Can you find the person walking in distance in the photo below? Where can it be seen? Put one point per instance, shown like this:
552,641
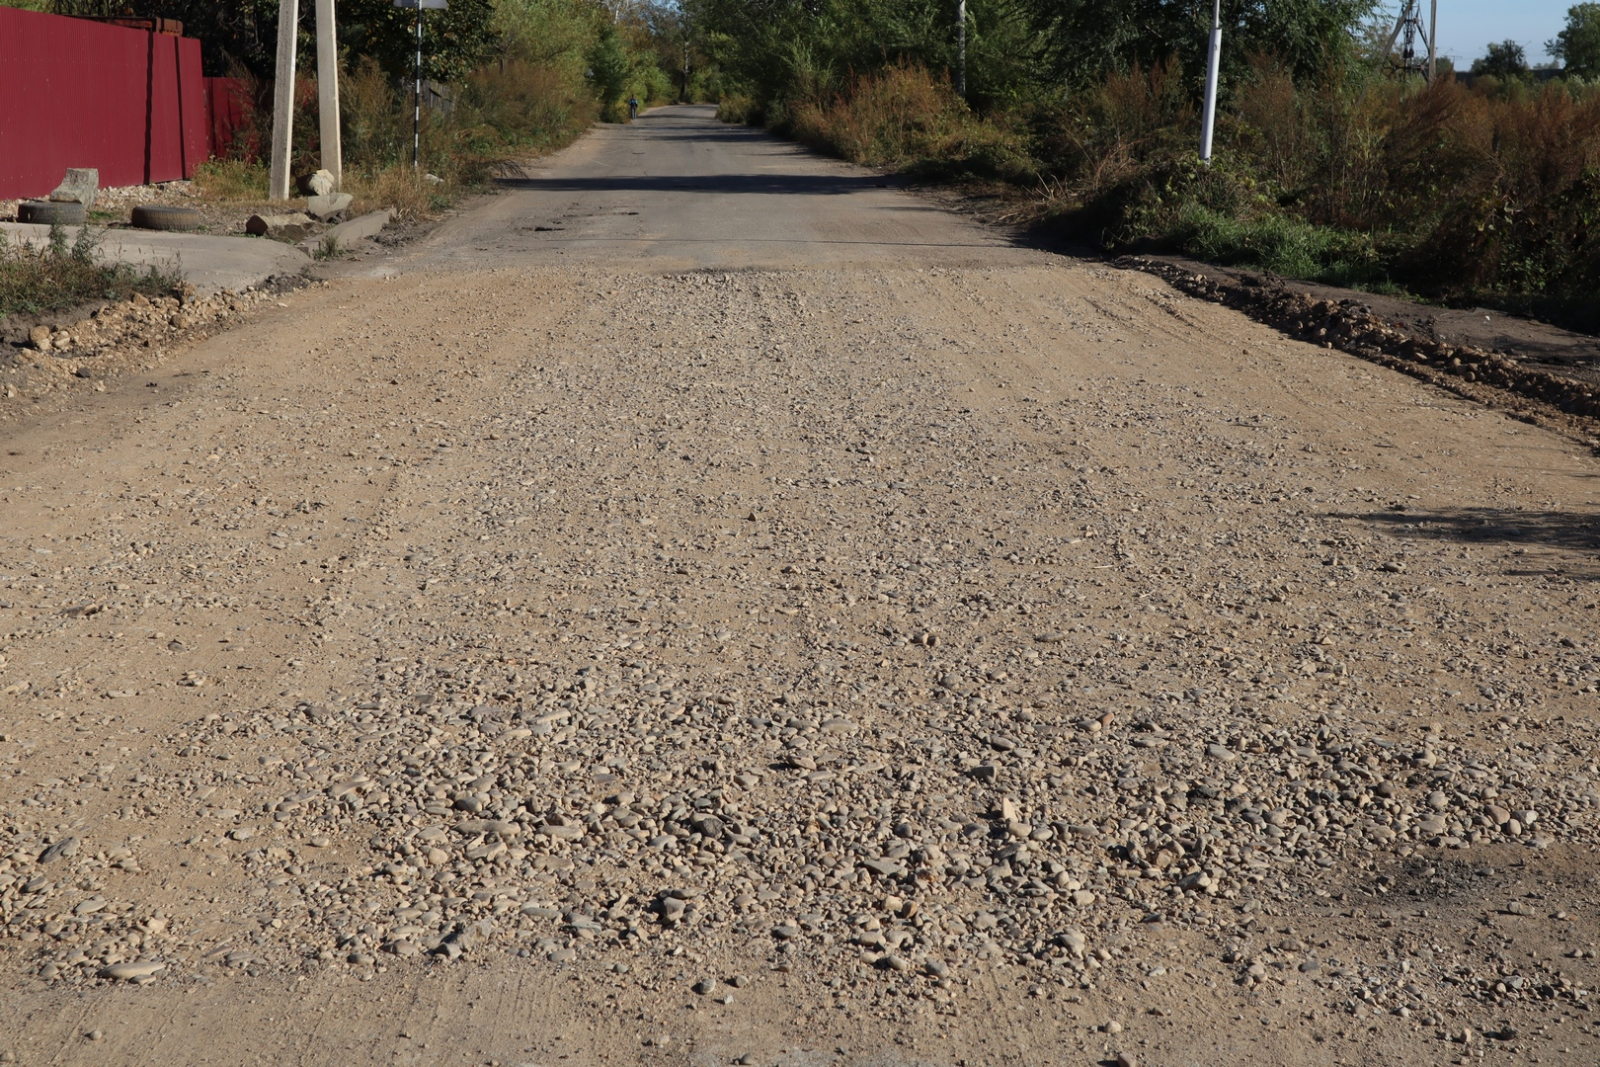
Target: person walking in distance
633,107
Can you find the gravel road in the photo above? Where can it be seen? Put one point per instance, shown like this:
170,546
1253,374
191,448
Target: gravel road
704,606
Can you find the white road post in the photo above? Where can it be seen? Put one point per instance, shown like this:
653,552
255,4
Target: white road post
416,105
328,92
416,100
1208,124
283,98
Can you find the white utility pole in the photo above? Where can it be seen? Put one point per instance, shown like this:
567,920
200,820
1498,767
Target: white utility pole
961,48
1433,42
328,92
283,98
1208,122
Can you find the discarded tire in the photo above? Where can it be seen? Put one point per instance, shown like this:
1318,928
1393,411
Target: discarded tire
51,212
158,217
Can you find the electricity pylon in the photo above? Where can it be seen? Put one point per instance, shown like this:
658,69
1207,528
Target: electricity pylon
1408,31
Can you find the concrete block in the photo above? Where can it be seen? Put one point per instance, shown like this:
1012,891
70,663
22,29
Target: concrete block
291,227
348,233
324,208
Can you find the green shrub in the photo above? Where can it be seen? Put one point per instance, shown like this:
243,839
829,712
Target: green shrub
1280,244
739,108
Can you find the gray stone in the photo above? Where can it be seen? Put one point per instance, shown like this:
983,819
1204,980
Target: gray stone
329,207
79,187
318,183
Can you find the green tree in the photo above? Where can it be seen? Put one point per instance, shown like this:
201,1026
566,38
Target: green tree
610,69
670,35
1506,61
1578,45
454,41
242,32
780,51
546,32
1090,37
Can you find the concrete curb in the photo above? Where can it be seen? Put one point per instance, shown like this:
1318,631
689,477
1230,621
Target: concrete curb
209,263
348,233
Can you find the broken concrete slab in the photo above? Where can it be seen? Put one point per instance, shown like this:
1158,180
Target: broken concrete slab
325,208
348,233
369,225
79,187
294,226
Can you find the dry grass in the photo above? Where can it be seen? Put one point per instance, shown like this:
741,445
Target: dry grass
398,186
231,179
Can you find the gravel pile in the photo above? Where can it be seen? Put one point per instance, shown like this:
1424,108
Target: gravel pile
121,338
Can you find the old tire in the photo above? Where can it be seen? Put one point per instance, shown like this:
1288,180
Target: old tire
161,217
51,212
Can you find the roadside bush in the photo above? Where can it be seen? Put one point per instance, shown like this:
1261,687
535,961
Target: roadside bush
903,117
518,104
376,124
1489,193
1283,245
739,108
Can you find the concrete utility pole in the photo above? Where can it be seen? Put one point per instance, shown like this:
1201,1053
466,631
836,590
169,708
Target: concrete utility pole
1433,42
961,48
1208,121
328,92
283,98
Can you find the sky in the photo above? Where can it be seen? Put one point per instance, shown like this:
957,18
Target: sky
1467,27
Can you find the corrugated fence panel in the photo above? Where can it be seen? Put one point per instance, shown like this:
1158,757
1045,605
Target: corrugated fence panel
166,139
228,99
75,93
195,120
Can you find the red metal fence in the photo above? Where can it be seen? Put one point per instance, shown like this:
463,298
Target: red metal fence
229,101
75,93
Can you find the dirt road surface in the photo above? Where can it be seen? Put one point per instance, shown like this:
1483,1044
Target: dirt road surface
703,606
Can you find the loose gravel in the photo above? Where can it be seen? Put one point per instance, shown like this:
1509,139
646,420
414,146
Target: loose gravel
890,630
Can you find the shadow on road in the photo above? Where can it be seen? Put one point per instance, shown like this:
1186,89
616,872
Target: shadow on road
767,184
1568,530
729,133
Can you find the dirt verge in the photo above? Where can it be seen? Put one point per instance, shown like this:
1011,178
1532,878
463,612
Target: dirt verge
1537,393
79,350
